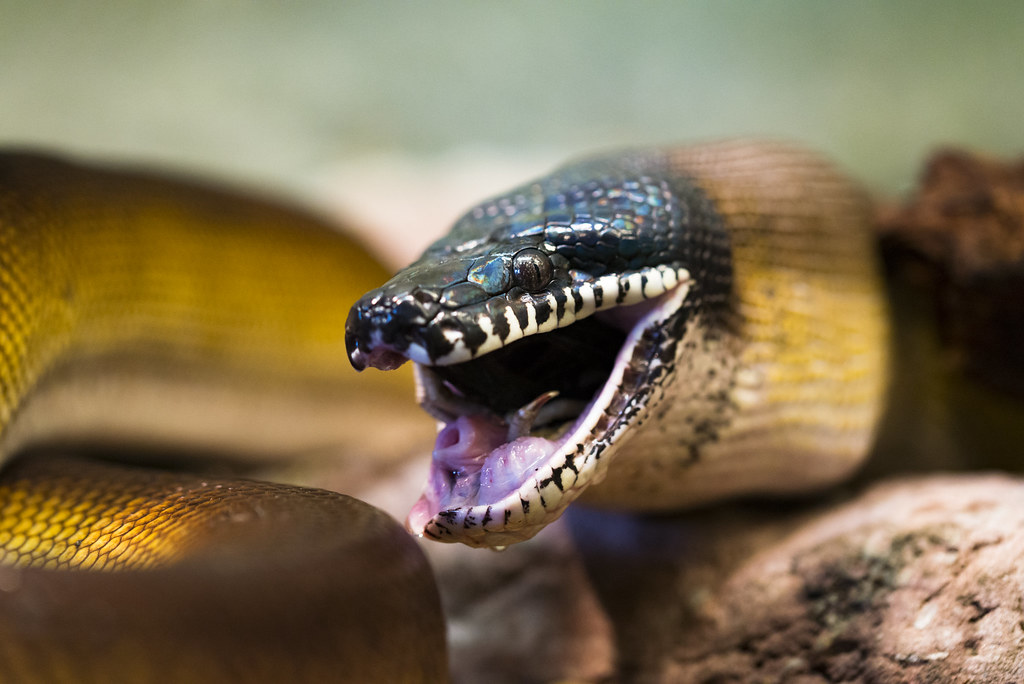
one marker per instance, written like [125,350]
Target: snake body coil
[140,310]
[656,329]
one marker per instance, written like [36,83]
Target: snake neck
[805,351]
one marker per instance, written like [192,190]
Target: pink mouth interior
[474,465]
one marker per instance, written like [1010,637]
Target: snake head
[540,328]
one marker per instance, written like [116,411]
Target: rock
[960,239]
[916,580]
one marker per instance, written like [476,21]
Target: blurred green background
[276,92]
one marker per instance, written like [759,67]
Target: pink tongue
[473,465]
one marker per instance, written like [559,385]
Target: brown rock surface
[917,580]
[960,241]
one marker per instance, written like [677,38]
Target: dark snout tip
[356,356]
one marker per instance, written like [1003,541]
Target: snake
[644,330]
[147,314]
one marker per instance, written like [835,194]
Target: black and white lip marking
[485,491]
[541,317]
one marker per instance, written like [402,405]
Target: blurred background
[397,115]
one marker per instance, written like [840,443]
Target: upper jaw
[404,320]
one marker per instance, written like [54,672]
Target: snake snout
[385,327]
[364,340]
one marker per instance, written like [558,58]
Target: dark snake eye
[532,269]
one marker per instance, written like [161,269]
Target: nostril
[424,296]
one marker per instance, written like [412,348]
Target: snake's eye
[532,269]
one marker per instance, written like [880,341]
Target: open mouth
[544,326]
[526,424]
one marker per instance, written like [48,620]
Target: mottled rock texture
[917,580]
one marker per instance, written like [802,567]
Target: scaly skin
[810,333]
[137,309]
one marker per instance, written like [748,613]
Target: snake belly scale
[647,329]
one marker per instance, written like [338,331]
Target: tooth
[521,422]
[559,411]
